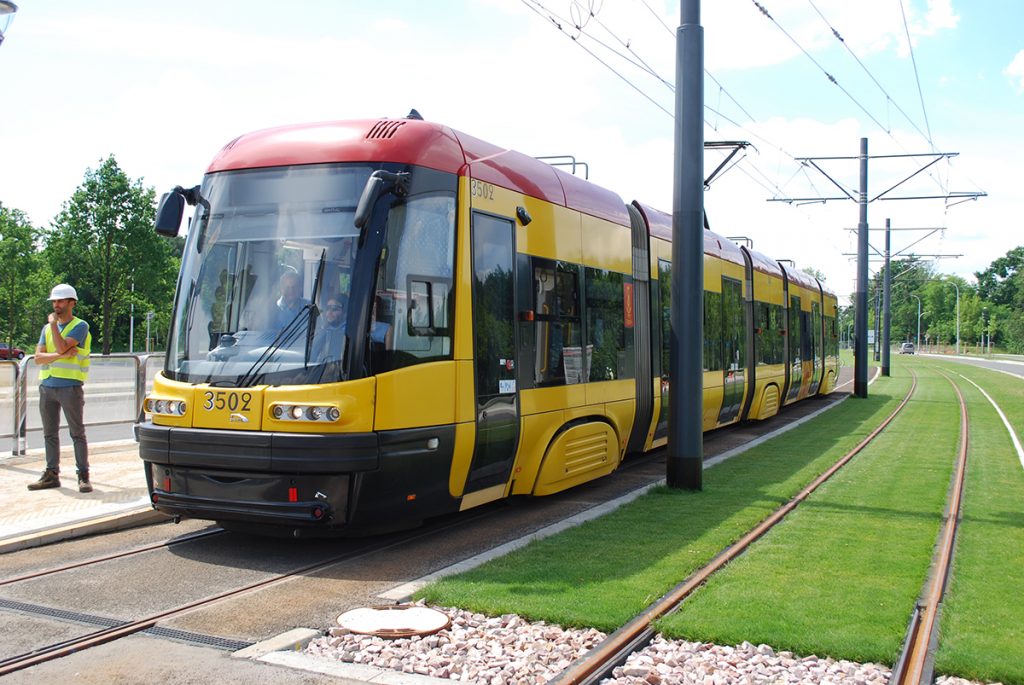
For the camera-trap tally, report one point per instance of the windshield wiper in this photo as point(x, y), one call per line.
point(285, 337)
point(314, 311)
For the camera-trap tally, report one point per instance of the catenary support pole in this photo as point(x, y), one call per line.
point(886, 283)
point(860, 353)
point(685, 462)
point(878, 324)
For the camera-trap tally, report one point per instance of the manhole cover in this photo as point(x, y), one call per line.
point(394, 621)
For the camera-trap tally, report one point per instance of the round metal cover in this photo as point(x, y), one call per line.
point(394, 621)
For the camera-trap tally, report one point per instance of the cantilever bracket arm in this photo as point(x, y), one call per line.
point(715, 145)
point(926, 166)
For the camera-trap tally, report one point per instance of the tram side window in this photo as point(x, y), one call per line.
point(413, 304)
point(769, 333)
point(795, 344)
point(560, 357)
point(831, 337)
point(665, 286)
point(734, 337)
point(806, 341)
point(712, 331)
point(816, 346)
point(609, 335)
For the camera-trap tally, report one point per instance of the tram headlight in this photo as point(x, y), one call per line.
point(305, 412)
point(180, 408)
point(160, 407)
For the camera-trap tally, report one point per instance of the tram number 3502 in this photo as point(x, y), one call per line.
point(232, 401)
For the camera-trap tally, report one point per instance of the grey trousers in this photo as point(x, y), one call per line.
point(72, 401)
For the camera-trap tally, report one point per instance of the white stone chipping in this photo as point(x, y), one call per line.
point(508, 650)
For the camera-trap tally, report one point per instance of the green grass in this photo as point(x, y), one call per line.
point(840, 576)
point(606, 571)
point(833, 579)
point(982, 627)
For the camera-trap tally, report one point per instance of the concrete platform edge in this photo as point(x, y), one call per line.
point(354, 672)
point(100, 524)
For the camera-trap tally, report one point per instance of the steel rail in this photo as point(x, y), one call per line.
point(598, 662)
point(109, 557)
point(916, 663)
point(99, 637)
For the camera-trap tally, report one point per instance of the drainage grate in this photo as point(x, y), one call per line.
point(197, 638)
point(62, 614)
point(156, 631)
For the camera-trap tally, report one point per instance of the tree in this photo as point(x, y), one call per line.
point(997, 283)
point(23, 282)
point(103, 243)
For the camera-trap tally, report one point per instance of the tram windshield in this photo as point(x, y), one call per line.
point(266, 277)
point(277, 282)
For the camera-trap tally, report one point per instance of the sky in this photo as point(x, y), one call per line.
point(163, 86)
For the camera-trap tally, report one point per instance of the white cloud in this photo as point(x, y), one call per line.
point(1015, 71)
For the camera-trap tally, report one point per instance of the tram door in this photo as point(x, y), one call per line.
point(497, 411)
point(734, 337)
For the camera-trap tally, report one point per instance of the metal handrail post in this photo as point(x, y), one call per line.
point(20, 441)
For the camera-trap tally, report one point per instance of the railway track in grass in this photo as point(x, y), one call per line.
point(598, 664)
point(916, 663)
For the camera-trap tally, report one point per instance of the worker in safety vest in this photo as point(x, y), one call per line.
point(63, 356)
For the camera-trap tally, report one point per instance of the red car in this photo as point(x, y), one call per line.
point(7, 352)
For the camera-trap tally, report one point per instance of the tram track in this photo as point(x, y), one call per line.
point(598, 663)
point(123, 629)
point(192, 537)
point(915, 665)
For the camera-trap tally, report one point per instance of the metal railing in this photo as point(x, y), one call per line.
point(141, 366)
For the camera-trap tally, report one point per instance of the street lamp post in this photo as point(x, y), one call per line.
point(917, 345)
point(149, 317)
point(984, 332)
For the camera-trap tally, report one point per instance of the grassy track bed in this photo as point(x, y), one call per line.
point(606, 571)
point(841, 574)
point(982, 623)
point(1008, 392)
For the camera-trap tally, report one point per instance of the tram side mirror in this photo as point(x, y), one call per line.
point(169, 213)
point(371, 191)
point(379, 182)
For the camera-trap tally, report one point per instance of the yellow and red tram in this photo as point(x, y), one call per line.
point(380, 321)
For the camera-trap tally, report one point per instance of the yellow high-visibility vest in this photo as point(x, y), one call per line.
point(72, 368)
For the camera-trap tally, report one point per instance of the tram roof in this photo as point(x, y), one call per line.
point(714, 244)
point(423, 143)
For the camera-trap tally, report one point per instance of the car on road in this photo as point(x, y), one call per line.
point(907, 348)
point(7, 352)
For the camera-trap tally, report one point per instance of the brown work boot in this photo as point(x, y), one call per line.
point(83, 482)
point(49, 479)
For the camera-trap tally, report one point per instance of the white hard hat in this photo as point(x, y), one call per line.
point(63, 292)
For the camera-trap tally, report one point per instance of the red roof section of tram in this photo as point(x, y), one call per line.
point(423, 143)
point(660, 224)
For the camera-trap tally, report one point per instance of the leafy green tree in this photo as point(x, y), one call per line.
point(103, 243)
point(998, 283)
point(23, 282)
